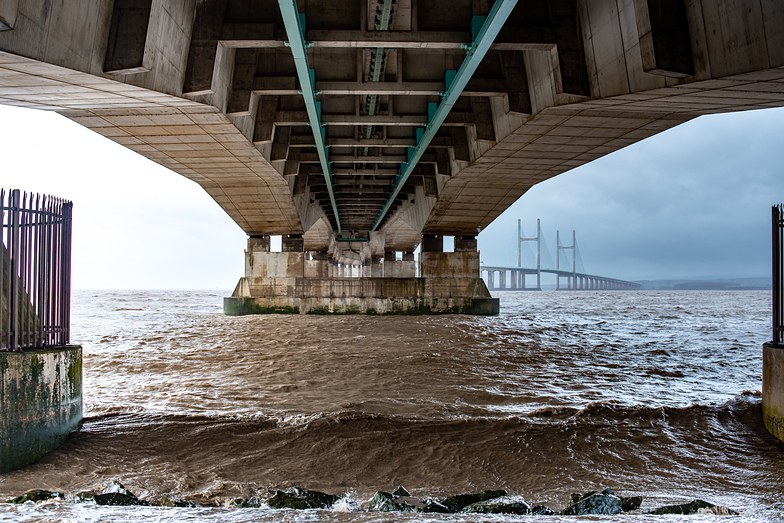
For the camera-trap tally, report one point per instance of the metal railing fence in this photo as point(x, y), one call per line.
point(35, 270)
point(778, 274)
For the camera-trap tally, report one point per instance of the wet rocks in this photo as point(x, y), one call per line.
point(632, 503)
point(501, 505)
point(118, 499)
point(301, 499)
point(604, 502)
point(170, 501)
point(245, 503)
point(115, 494)
point(401, 492)
point(459, 502)
point(115, 486)
point(598, 503)
point(541, 510)
point(696, 506)
point(36, 496)
point(720, 510)
point(84, 497)
point(386, 502)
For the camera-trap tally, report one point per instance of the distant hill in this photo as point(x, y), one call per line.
point(730, 284)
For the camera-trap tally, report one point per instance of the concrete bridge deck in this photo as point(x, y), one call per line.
point(214, 90)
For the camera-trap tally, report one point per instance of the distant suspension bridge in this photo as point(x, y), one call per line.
point(575, 279)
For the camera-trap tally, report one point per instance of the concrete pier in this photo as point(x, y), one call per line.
point(41, 395)
point(362, 296)
point(773, 388)
point(361, 280)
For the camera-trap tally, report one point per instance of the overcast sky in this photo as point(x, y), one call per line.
point(692, 202)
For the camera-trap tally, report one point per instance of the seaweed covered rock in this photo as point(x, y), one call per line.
point(433, 506)
point(36, 496)
point(84, 497)
point(386, 502)
point(719, 510)
point(245, 503)
point(502, 505)
point(401, 492)
point(115, 494)
point(599, 503)
point(459, 502)
point(118, 499)
point(301, 499)
point(169, 501)
point(115, 486)
point(696, 506)
point(542, 510)
point(632, 503)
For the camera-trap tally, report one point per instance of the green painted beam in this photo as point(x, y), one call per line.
point(456, 82)
point(295, 29)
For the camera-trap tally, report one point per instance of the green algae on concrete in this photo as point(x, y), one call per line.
point(773, 389)
point(41, 396)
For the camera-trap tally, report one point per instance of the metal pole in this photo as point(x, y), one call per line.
point(776, 271)
point(13, 269)
point(3, 282)
point(519, 244)
point(68, 217)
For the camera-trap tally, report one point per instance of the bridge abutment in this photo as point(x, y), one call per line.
point(294, 281)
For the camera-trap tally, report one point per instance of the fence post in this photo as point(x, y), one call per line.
point(13, 271)
point(776, 273)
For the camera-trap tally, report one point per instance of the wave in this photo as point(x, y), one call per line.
point(667, 452)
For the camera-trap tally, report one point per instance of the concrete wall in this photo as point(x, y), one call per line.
point(773, 389)
point(260, 264)
point(41, 395)
point(449, 264)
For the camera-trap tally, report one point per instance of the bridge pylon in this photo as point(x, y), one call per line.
point(572, 279)
point(538, 240)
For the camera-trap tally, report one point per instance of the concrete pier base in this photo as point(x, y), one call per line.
point(41, 395)
point(773, 389)
point(361, 296)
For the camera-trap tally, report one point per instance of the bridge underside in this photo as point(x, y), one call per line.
point(327, 127)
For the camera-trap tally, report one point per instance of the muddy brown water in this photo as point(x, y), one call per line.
point(649, 393)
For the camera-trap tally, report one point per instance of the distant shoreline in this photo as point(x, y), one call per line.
point(735, 284)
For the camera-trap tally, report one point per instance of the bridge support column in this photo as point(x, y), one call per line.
point(376, 267)
point(403, 268)
point(319, 266)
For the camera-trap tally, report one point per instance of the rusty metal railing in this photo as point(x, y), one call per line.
point(35, 271)
point(778, 274)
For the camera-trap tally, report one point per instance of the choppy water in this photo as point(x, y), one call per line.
point(563, 392)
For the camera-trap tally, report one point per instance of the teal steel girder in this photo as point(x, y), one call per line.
point(455, 82)
point(295, 30)
point(378, 59)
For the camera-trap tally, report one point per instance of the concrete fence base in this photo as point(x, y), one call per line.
point(41, 395)
point(773, 388)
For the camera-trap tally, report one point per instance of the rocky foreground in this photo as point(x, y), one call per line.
point(604, 502)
